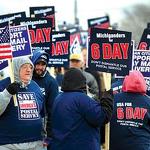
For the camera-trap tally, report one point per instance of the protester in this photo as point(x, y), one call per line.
point(76, 118)
point(47, 83)
point(96, 74)
point(130, 123)
point(21, 125)
point(59, 75)
point(76, 61)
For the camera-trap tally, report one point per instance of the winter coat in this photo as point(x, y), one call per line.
point(130, 123)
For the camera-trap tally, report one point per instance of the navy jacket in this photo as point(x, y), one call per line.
point(22, 123)
point(49, 88)
point(130, 123)
point(76, 119)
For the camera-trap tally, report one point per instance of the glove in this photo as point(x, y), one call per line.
point(107, 104)
point(13, 88)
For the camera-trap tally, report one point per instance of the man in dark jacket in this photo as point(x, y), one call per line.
point(130, 123)
point(76, 118)
point(47, 83)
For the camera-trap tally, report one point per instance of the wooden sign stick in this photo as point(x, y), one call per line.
point(106, 79)
point(11, 74)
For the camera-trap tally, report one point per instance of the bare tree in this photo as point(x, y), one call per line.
point(136, 20)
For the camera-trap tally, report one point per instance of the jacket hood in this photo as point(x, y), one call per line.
point(17, 63)
point(134, 83)
point(39, 54)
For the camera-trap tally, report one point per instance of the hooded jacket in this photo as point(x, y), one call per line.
point(130, 123)
point(48, 86)
point(76, 118)
point(22, 123)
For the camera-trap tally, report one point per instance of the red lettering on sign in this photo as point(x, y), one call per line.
point(125, 47)
point(117, 51)
point(107, 52)
point(60, 48)
point(95, 52)
point(40, 35)
point(47, 33)
point(143, 46)
point(65, 45)
point(32, 36)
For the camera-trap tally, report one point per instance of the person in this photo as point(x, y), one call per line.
point(130, 123)
point(21, 124)
point(76, 61)
point(76, 117)
point(96, 74)
point(58, 75)
point(47, 83)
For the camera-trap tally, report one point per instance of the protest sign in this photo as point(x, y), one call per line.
point(11, 17)
point(20, 41)
point(141, 62)
point(43, 12)
point(144, 43)
point(110, 51)
point(39, 30)
point(100, 22)
point(59, 56)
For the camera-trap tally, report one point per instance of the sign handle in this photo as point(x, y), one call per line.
point(11, 73)
point(106, 82)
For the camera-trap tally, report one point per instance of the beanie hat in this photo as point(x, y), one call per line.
point(43, 58)
point(73, 80)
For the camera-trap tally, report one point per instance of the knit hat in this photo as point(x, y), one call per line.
point(73, 80)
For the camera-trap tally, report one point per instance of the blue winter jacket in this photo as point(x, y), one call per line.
point(49, 88)
point(130, 123)
point(76, 119)
point(22, 123)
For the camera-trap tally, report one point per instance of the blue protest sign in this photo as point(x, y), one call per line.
point(20, 41)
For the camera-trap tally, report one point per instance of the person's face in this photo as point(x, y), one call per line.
point(40, 68)
point(84, 53)
point(76, 64)
point(25, 73)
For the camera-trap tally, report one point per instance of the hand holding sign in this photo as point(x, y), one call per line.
point(13, 88)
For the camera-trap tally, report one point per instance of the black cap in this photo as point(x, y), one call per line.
point(73, 80)
point(42, 58)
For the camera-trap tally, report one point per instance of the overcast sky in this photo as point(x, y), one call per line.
point(65, 8)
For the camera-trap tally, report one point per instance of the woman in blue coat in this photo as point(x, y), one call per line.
point(77, 118)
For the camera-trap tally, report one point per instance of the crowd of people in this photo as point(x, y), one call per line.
point(68, 112)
